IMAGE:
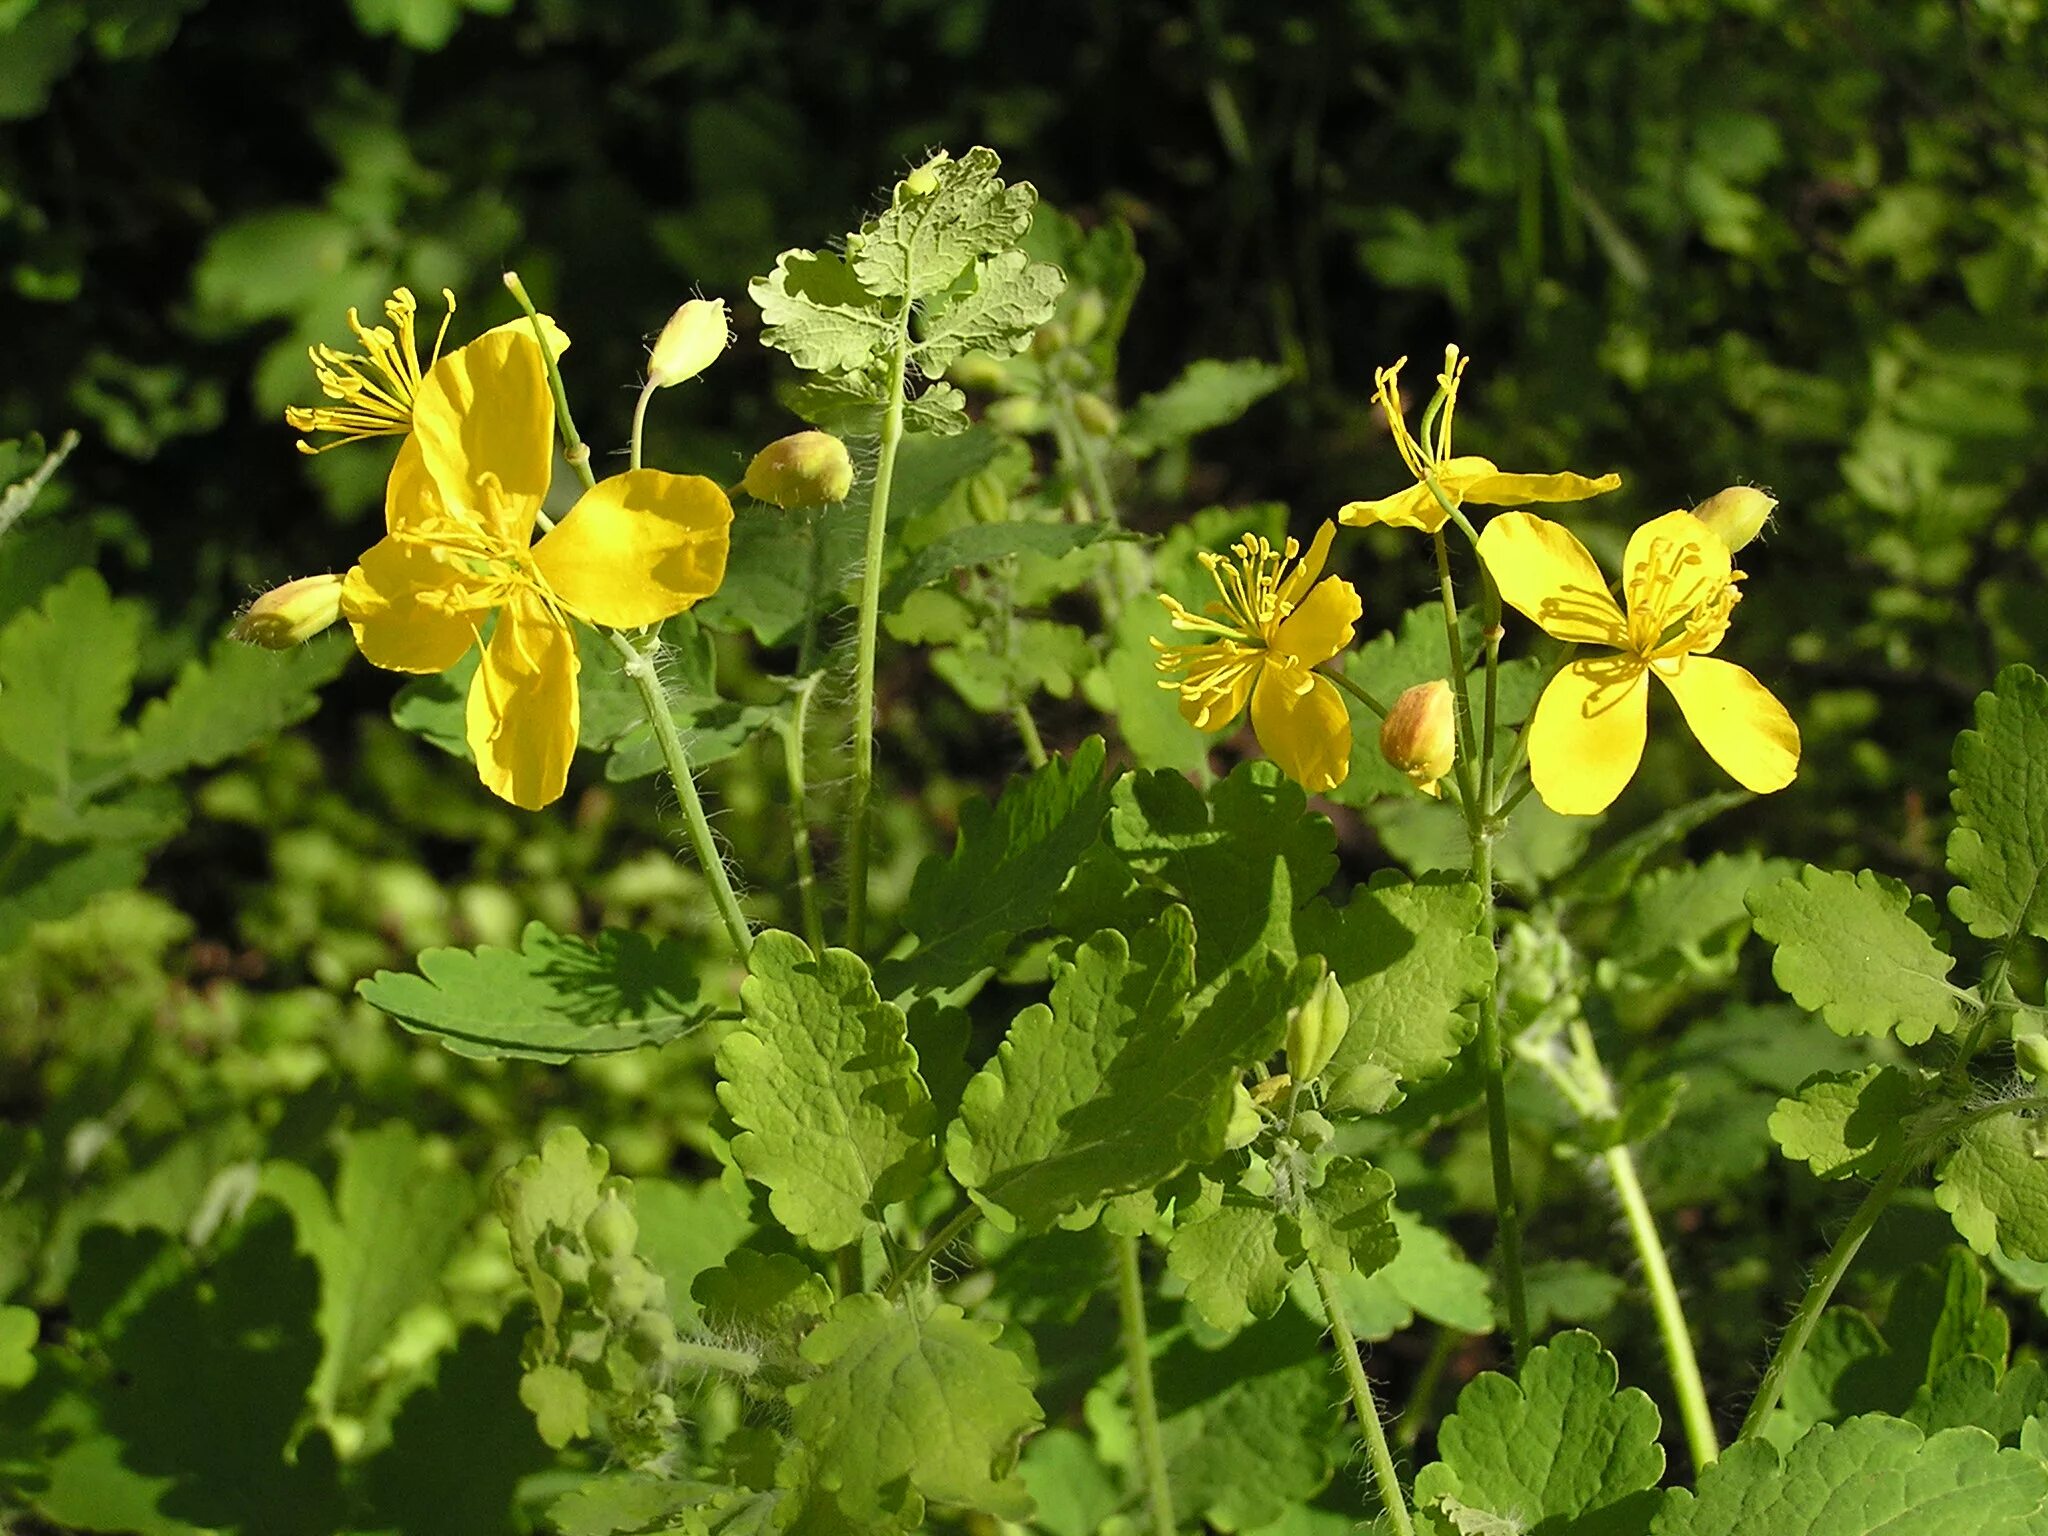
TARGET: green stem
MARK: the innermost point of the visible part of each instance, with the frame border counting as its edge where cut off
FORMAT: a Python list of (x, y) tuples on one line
[(1408, 1428), (639, 666), (1678, 1350), (1492, 1060), (692, 1356), (1337, 676), (1455, 645), (639, 424), (959, 1222), (1807, 1318), (793, 737), (1368, 1412), (1034, 744), (1130, 1296), (864, 659), (574, 449)]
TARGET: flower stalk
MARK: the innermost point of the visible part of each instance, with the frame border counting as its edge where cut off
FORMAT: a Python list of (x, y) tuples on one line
[(1385, 1477), (1130, 1295)]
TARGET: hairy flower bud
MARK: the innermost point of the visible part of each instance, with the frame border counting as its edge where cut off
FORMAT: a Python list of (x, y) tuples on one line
[(1315, 1030), (805, 469), (1737, 514), (291, 614), (1420, 734), (689, 343)]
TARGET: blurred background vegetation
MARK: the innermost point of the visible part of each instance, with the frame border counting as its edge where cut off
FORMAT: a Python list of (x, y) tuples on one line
[(1796, 243)]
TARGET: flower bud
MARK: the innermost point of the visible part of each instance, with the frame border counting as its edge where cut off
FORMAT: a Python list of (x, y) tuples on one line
[(1049, 339), (611, 1230), (1088, 313), (1737, 514), (1420, 734), (291, 614), (977, 370), (1245, 1120), (1315, 1030), (1095, 414), (1017, 413), (689, 343), (805, 469)]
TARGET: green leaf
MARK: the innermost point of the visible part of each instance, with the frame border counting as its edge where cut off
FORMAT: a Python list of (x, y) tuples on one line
[(686, 1230), (1411, 958), (1007, 865), (1235, 1261), (1122, 1080), (1860, 951), (823, 1084), (553, 998), (995, 309), (1570, 1291), (985, 543), (1209, 393), (1236, 858), (1972, 1390), (933, 1399), (1872, 1476), (767, 1300), (815, 309), (1999, 848), (66, 670), (1347, 1222), (560, 1403), (1610, 873), (19, 1328), (1558, 1445), (542, 1198), (1994, 1186), (1427, 1276), (921, 243), (1074, 1492), (380, 1244), (1848, 1125), (643, 1504), (238, 698)]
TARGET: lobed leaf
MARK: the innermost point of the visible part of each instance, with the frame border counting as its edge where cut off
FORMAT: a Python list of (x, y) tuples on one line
[(1005, 298), (1999, 848), (553, 998), (1847, 1125), (823, 1084), (1859, 951), (1994, 1186), (925, 238)]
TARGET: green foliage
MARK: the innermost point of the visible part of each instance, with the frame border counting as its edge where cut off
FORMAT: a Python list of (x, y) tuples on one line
[(823, 1084), (553, 998), (1848, 1125), (1859, 951), (1999, 848), (1994, 1185)]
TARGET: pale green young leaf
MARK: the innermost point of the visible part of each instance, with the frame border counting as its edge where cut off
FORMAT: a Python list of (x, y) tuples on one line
[(1236, 1261), (1872, 1476), (1428, 1276), (1559, 1444), (560, 1402), (814, 309), (926, 237), (1847, 1125), (997, 306), (1242, 859), (1859, 951), (554, 998), (932, 1399), (1410, 957), (380, 1243), (1994, 1186), (1999, 848), (240, 696), (1124, 1078), (1347, 1223), (1209, 393), (938, 410), (66, 670), (823, 1084), (1007, 864)]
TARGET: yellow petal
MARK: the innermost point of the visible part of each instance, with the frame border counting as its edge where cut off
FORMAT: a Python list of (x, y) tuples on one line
[(1412, 508), (1504, 490), (399, 602), (1303, 726), (1672, 561), (558, 339), (1308, 567), (521, 716), (1743, 728), (485, 423), (1216, 683), (1586, 737), (638, 548), (1545, 573), (1321, 626), (412, 501)]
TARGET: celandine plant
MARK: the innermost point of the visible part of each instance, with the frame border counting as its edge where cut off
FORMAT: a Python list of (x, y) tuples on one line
[(1094, 1262)]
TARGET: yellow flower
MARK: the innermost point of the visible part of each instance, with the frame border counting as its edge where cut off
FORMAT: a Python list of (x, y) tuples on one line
[(376, 387), (460, 511), (1587, 734), (1469, 478), (1267, 636)]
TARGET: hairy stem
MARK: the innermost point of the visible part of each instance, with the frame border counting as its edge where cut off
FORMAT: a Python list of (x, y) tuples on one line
[(793, 738), (692, 1356), (639, 424), (913, 1266), (1369, 1425), (1678, 1350), (864, 658), (1130, 1296)]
